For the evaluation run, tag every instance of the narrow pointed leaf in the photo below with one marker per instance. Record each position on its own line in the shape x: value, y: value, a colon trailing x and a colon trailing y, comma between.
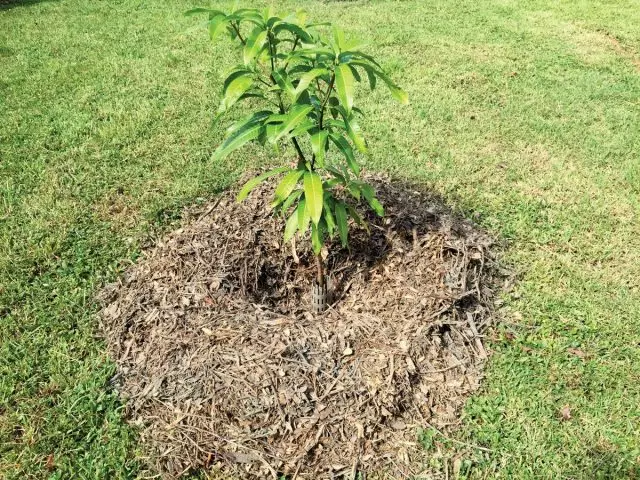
x: 195, y: 11
x: 370, y: 70
x: 338, y: 37
x: 293, y: 119
x: 356, y: 75
x: 396, y: 92
x: 254, y: 44
x: 235, y: 74
x: 304, y: 127
x: 356, y: 217
x: 254, y: 182
x: 310, y: 52
x: 355, y: 134
x: 303, y: 216
x: 257, y: 117
x: 362, y: 56
x: 345, y: 148
x: 289, y: 201
x: 237, y: 139
x: 340, y: 176
x: 294, y: 29
x: 317, y: 237
x: 287, y: 184
x: 217, y: 25
x: 291, y: 226
x: 341, y: 221
x: 282, y: 80
x: 313, y: 195
x: 328, y: 216
x: 370, y: 195
x: 306, y: 79
x: 354, y: 191
x: 235, y: 89
x: 344, y: 86
x: 318, y: 144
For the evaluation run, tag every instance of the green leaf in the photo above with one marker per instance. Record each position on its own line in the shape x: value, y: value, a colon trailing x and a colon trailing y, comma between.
x: 295, y: 30
x: 317, y: 237
x: 289, y: 201
x: 291, y: 226
x: 233, y: 75
x: 338, y: 37
x: 238, y: 138
x: 341, y: 220
x: 257, y: 117
x: 345, y: 148
x: 282, y: 80
x: 217, y: 25
x: 234, y: 90
x: 362, y: 56
x: 356, y: 75
x: 295, y: 116
x: 306, y: 79
x: 355, y: 134
x: 254, y: 44
x: 371, y: 72
x: 370, y: 195
x: 340, y: 176
x: 344, y: 86
x: 287, y: 184
x: 327, y: 215
x: 313, y: 195
x: 195, y: 11
x: 354, y: 191
x: 304, y: 127
x: 254, y: 182
x: 356, y: 217
x: 310, y: 52
x: 318, y: 144
x: 250, y: 15
x: 303, y: 216
x: 396, y: 92
x: 272, y: 21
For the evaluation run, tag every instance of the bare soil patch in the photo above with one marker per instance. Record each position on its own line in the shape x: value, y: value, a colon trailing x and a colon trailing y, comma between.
x: 221, y: 364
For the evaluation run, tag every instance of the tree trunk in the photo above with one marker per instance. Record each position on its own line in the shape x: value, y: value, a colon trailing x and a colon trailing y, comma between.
x: 319, y: 270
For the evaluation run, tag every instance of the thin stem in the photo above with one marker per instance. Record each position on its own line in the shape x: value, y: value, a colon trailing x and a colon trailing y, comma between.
x: 326, y: 99
x: 237, y: 29
x: 272, y: 52
x: 295, y: 44
x: 299, y: 150
x: 319, y: 270
x: 260, y: 79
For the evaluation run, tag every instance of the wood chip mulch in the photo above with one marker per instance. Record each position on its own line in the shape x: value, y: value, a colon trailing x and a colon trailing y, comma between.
x: 222, y: 365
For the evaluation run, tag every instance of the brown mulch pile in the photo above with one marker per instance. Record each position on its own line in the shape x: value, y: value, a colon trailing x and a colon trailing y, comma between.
x: 222, y: 364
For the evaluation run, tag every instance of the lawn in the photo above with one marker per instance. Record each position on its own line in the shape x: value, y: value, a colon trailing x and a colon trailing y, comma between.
x: 524, y: 115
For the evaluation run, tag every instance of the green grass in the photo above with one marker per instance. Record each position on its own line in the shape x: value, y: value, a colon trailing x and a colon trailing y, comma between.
x: 524, y: 114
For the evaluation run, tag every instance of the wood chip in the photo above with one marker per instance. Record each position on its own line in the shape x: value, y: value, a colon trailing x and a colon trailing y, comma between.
x: 281, y: 391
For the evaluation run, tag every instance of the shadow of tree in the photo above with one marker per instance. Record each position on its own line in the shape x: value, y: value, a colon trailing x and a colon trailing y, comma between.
x: 281, y: 282
x: 8, y: 4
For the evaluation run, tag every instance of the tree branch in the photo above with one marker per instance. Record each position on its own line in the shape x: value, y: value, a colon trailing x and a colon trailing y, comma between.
x: 295, y: 44
x: 326, y: 99
x: 272, y: 54
x: 237, y: 30
x: 298, y: 149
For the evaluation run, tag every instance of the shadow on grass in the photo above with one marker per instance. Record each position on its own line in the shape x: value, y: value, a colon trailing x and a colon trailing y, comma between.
x: 8, y: 4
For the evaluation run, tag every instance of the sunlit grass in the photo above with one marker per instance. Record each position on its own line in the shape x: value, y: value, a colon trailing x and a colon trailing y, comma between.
x: 524, y: 115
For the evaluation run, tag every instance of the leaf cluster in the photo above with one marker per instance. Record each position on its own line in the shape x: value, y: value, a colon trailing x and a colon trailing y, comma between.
x: 304, y: 82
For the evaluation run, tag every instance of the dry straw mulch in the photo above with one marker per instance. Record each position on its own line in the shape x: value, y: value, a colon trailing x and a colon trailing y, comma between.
x: 222, y: 365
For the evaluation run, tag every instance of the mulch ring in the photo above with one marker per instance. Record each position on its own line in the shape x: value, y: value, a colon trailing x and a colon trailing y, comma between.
x: 222, y: 365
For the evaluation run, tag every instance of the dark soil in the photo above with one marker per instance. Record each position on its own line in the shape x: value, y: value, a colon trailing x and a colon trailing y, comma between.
x: 222, y: 364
